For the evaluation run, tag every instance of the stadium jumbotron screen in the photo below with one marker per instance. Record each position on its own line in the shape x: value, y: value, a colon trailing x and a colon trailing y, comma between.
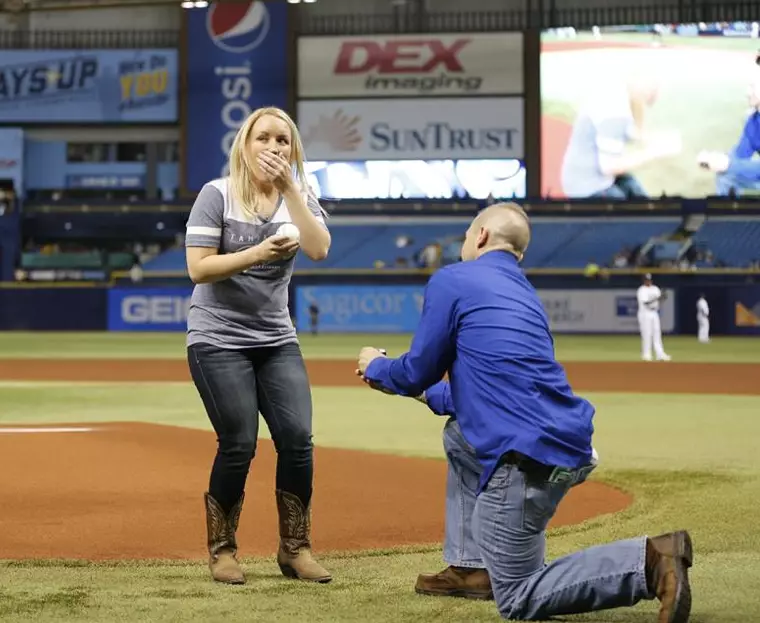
x: 647, y: 111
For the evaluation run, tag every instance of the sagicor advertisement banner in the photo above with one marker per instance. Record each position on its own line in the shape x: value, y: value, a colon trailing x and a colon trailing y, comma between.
x: 412, y: 129
x: 360, y: 309
x: 397, y: 309
x: 463, y: 64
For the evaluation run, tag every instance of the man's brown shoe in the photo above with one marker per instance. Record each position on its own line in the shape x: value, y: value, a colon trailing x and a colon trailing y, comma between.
x: 456, y: 582
x: 222, y: 543
x: 677, y: 544
x: 668, y: 579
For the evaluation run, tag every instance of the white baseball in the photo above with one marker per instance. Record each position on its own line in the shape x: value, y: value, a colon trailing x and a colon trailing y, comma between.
x: 289, y: 230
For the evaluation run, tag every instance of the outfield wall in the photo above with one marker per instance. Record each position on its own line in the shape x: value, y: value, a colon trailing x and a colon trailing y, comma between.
x: 366, y: 306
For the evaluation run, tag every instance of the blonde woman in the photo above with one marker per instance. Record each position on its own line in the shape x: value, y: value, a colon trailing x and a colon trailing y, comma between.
x: 242, y: 347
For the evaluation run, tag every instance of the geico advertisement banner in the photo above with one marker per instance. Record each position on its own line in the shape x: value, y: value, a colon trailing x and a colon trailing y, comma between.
x: 397, y: 309
x: 600, y: 311
x: 412, y: 129
x: 88, y: 86
x: 360, y: 309
x: 411, y: 65
x: 148, y: 309
x: 236, y: 62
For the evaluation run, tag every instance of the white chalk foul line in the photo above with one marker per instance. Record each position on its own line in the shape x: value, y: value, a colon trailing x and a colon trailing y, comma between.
x: 46, y: 429
x: 75, y: 384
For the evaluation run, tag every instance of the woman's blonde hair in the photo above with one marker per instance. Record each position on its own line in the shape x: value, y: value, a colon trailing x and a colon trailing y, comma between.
x: 241, y: 168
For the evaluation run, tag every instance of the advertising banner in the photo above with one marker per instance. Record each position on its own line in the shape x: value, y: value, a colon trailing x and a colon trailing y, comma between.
x: 12, y: 158
x: 88, y: 86
x: 105, y: 181
x: 397, y: 309
x: 412, y: 129
x: 411, y: 65
x: 236, y: 62
x: 360, y: 309
x: 601, y: 311
x: 745, y: 310
x: 148, y: 309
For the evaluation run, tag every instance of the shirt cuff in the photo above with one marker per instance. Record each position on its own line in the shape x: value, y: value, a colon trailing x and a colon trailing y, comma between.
x: 435, y: 396
x: 377, y: 370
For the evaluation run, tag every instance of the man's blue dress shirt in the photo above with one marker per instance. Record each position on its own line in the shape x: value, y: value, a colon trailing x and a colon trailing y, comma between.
x: 483, y: 323
x: 742, y: 166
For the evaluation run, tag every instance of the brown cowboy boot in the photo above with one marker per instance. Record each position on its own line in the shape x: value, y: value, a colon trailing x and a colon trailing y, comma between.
x: 668, y: 579
x: 222, y: 545
x: 294, y: 554
x: 677, y: 544
x: 456, y: 582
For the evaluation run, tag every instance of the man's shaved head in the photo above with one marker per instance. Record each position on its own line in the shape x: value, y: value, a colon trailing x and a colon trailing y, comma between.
x: 502, y: 226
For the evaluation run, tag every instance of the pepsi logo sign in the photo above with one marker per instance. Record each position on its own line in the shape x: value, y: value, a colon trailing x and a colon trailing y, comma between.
x: 238, y: 27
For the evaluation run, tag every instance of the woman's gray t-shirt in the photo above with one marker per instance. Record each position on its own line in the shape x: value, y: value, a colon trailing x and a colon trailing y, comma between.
x: 249, y: 309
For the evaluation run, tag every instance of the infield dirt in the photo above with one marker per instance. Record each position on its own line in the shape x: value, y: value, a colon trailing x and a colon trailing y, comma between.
x: 134, y: 490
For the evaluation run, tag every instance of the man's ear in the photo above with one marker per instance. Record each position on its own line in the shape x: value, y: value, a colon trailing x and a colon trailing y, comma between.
x: 482, y: 239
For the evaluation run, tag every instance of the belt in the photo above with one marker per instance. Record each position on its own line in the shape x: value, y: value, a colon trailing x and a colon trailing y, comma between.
x: 527, y: 465
x: 547, y: 473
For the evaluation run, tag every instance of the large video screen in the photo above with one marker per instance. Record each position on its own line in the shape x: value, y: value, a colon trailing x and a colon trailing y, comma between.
x: 650, y: 111
x: 418, y: 179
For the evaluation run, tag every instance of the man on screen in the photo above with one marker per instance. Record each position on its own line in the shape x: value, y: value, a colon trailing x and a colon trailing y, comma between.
x: 737, y: 171
x: 597, y: 163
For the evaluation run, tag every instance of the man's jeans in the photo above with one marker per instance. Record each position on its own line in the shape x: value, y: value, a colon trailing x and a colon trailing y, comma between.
x: 503, y: 531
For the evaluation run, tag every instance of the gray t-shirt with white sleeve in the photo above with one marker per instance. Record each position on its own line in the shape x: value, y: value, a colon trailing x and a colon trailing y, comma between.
x: 604, y: 125
x: 249, y: 309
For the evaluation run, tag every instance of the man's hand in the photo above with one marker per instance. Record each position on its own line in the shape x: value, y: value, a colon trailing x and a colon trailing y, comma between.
x: 366, y: 356
x: 715, y: 161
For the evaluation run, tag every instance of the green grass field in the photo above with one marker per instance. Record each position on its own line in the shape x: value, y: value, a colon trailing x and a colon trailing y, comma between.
x: 703, y: 95
x: 691, y: 461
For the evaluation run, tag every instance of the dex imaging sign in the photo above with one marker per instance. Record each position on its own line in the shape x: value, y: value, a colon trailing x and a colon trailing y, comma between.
x: 412, y: 129
x: 410, y: 65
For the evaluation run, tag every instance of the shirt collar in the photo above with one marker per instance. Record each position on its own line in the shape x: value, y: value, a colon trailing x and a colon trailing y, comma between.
x: 498, y: 256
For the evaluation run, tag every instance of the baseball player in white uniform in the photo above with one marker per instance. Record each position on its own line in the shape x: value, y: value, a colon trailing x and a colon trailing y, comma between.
x: 649, y: 297
x: 703, y: 319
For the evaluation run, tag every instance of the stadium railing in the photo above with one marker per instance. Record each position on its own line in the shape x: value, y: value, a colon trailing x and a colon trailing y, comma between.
x: 408, y: 18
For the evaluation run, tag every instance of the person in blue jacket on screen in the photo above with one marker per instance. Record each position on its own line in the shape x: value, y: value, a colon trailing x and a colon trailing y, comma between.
x: 737, y: 171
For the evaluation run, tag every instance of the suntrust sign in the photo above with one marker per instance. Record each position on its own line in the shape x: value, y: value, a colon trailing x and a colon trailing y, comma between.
x: 412, y: 129
x: 410, y: 65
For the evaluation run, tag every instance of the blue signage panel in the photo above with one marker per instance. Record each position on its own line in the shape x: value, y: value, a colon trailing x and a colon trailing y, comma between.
x: 148, y: 309
x: 105, y: 181
x: 361, y: 309
x: 12, y: 158
x: 88, y: 86
x: 236, y: 62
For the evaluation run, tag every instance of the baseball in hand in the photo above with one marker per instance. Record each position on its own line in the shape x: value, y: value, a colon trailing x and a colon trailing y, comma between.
x: 289, y: 230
